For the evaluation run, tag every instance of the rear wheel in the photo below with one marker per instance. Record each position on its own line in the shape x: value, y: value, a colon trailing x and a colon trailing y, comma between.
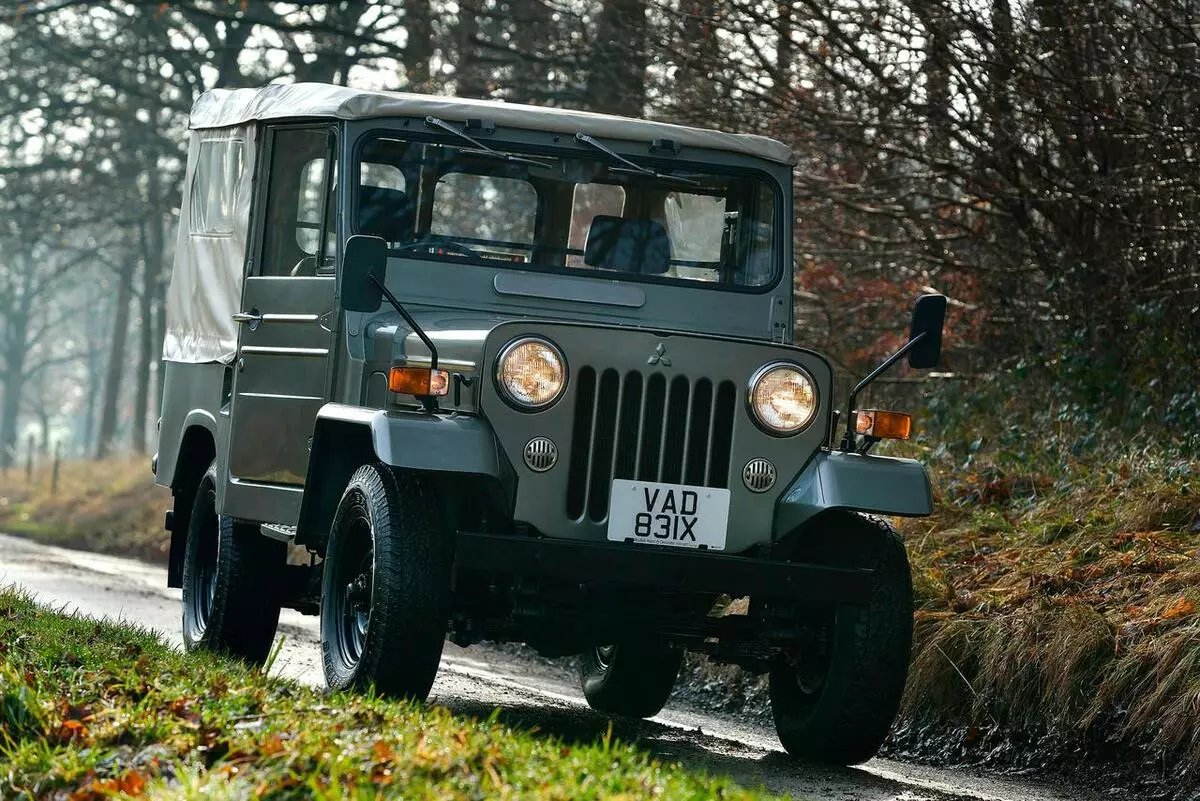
x: 385, y: 592
x: 633, y: 678
x: 835, y: 698
x: 231, y: 581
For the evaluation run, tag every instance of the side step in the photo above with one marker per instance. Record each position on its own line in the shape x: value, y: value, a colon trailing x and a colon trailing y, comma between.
x: 278, y: 531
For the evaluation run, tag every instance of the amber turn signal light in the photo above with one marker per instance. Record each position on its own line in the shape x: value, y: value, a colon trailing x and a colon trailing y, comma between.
x: 883, y: 425
x: 418, y: 381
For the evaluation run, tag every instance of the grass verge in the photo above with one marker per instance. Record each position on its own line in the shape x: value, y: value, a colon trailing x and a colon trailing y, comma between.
x: 90, y: 710
x: 110, y: 506
x: 1058, y: 598
x: 1058, y: 602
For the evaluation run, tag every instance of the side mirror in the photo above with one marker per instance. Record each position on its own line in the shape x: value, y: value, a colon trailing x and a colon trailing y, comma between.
x: 929, y: 314
x: 365, y: 256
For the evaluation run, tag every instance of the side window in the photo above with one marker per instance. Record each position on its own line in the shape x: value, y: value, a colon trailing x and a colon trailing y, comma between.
x: 218, y: 172
x: 588, y: 201
x: 310, y: 205
x: 301, y: 204
x: 384, y: 176
x: 484, y: 208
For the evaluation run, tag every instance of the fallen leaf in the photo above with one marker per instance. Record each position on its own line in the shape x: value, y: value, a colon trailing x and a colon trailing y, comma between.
x: 1180, y: 608
x: 383, y: 751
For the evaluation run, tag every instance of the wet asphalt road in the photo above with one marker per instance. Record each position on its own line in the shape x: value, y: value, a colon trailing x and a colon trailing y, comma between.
x: 477, y: 680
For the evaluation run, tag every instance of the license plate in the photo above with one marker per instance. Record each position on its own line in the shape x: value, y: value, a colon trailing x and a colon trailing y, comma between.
x: 668, y: 514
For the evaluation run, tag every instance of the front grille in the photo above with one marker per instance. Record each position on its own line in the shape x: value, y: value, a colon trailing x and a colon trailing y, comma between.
x: 646, y: 428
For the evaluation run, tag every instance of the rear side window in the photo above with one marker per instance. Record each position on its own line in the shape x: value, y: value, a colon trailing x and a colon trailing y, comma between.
x: 219, y: 164
x: 696, y: 224
x: 485, y: 208
x: 587, y: 201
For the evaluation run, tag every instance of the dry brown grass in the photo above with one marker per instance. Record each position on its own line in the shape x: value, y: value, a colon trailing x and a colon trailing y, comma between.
x: 111, y: 507
x: 1063, y: 604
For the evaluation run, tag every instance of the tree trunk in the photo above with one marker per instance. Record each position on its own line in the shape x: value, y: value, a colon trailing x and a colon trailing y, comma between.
x: 617, y: 70
x: 418, y: 51
x: 470, y: 77
x: 530, y: 71
x: 141, y: 402
x: 15, y: 324
x: 116, y: 359
x: 152, y: 251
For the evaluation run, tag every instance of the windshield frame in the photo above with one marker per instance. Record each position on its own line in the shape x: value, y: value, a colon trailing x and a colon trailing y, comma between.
x: 529, y: 142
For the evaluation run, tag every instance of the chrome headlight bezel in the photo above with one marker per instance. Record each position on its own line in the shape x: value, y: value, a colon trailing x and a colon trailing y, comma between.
x: 503, y: 389
x: 752, y: 408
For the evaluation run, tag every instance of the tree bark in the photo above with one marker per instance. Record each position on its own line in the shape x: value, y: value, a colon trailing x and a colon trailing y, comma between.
x: 116, y: 359
x: 418, y: 51
x: 617, y: 70
x: 470, y: 77
x: 141, y: 403
x: 15, y: 325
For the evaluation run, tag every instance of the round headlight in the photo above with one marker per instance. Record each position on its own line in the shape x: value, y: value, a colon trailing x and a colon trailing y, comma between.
x: 783, y: 398
x: 531, y: 373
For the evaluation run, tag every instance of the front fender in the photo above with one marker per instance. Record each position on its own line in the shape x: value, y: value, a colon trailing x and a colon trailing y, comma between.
x: 347, y: 437
x: 833, y: 480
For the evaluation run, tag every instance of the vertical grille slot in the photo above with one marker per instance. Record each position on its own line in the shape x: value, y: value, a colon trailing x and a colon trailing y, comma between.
x: 650, y: 440
x: 603, y: 444
x: 699, y: 423
x: 648, y: 428
x: 581, y: 442
x: 721, y: 438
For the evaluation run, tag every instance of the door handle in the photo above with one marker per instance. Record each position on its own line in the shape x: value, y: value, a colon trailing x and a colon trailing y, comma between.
x: 250, y: 319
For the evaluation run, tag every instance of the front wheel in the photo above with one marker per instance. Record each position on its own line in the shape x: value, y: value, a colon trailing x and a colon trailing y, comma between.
x: 385, y: 590
x: 835, y: 699
x: 632, y: 678
x: 231, y: 577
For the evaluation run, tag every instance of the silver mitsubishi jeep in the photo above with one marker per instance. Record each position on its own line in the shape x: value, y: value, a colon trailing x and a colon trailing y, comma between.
x: 440, y: 368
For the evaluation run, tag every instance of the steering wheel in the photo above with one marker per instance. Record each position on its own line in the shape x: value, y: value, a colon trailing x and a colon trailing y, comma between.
x: 450, y: 247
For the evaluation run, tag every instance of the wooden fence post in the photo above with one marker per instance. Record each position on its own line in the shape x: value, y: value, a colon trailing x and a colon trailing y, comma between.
x: 54, y: 470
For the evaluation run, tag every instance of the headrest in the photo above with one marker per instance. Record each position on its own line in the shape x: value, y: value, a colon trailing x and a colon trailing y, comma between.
x: 634, y: 246
x: 386, y: 213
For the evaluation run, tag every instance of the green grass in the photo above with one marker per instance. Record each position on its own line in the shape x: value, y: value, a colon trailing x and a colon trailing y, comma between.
x: 91, y: 710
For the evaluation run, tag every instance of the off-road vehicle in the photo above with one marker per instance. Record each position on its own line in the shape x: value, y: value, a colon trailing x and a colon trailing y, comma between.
x: 509, y: 373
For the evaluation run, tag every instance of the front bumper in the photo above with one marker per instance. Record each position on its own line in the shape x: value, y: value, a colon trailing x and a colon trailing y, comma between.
x: 658, y: 567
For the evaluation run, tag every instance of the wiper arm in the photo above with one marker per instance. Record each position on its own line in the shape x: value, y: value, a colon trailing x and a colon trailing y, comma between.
x: 434, y: 122
x: 591, y: 141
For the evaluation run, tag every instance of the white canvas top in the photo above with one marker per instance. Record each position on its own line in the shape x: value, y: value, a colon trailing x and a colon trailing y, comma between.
x: 221, y: 108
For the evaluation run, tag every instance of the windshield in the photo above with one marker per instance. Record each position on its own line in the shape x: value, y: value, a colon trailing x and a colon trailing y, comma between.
x: 585, y: 214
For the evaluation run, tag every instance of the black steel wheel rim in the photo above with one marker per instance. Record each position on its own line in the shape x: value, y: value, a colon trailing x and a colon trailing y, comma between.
x: 811, y: 666
x: 204, y: 580
x: 605, y: 655
x: 352, y: 601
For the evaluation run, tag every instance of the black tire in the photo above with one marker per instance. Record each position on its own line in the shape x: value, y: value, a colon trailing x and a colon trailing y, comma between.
x: 633, y: 678
x: 835, y: 701
x: 385, y: 590
x: 231, y: 581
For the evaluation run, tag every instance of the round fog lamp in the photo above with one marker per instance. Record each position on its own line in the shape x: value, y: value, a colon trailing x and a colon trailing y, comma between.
x: 783, y: 398
x: 531, y: 373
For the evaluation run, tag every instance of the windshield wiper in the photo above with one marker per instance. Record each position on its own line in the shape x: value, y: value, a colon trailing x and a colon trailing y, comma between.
x: 591, y: 141
x: 434, y: 122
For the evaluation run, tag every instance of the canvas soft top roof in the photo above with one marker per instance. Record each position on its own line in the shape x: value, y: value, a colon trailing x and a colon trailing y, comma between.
x: 221, y: 108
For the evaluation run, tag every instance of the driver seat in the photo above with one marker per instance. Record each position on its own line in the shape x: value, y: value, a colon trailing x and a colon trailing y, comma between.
x: 386, y: 213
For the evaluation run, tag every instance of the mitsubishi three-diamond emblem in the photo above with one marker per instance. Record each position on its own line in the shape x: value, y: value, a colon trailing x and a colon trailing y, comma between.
x: 660, y: 356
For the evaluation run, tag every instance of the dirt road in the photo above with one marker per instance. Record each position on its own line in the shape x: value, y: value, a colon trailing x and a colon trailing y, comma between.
x: 477, y: 680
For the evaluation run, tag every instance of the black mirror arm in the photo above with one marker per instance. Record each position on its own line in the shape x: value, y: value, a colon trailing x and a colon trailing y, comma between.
x: 433, y: 354
x: 848, y: 439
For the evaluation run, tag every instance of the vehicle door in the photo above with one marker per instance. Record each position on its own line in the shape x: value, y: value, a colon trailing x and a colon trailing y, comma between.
x: 281, y: 375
